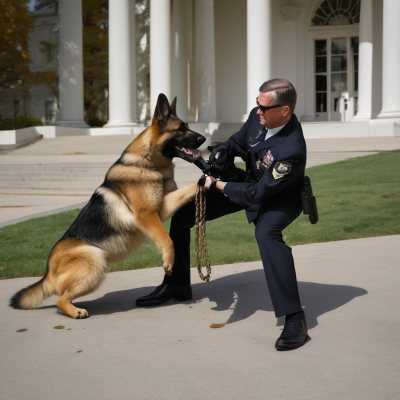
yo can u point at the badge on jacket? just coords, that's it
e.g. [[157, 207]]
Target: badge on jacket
[[266, 161], [281, 169]]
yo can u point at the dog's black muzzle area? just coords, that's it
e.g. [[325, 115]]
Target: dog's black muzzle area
[[186, 146]]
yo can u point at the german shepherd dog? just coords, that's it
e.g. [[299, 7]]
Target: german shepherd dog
[[137, 195]]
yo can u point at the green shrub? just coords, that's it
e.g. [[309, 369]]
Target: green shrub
[[19, 122], [96, 123]]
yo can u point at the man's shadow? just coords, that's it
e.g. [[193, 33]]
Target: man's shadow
[[244, 293]]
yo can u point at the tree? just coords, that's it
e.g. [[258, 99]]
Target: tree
[[15, 24]]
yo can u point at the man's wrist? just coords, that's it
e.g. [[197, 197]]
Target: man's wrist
[[220, 186]]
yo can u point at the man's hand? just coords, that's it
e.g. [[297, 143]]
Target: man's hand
[[209, 180], [219, 157]]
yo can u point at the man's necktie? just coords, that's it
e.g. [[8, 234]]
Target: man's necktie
[[263, 134]]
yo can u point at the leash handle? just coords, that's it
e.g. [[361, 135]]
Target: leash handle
[[200, 240]]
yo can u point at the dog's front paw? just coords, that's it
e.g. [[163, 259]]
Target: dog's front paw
[[80, 313], [168, 266]]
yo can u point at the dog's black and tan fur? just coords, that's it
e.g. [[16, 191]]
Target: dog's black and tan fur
[[137, 195]]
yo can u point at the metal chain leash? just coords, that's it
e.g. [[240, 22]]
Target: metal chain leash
[[200, 240]]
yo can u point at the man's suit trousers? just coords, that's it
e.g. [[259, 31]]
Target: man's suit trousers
[[276, 256]]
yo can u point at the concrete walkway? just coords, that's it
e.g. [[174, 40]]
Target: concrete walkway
[[349, 290]]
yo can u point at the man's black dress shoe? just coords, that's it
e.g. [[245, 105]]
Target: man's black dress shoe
[[164, 293], [293, 336]]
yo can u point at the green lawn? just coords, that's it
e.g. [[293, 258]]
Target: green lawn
[[356, 198]]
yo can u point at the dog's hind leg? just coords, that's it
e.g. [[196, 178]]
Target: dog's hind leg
[[75, 271], [175, 200]]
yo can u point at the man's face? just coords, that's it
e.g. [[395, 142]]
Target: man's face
[[276, 116]]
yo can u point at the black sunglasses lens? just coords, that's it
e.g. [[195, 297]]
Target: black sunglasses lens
[[262, 108]]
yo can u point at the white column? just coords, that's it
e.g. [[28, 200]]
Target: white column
[[179, 86], [205, 60], [122, 64], [259, 46], [391, 60], [71, 65], [160, 50], [365, 53]]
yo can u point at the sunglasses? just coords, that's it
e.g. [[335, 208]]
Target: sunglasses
[[266, 108]]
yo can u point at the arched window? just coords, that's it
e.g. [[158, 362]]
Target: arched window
[[337, 12]]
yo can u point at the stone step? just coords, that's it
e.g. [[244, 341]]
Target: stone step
[[55, 177], [67, 187], [79, 178], [36, 178], [50, 185], [54, 172], [52, 166], [78, 144], [225, 131]]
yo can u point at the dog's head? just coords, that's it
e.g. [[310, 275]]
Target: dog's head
[[173, 134]]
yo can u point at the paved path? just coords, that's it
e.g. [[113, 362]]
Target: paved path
[[349, 290]]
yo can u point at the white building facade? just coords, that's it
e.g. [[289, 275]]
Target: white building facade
[[343, 57]]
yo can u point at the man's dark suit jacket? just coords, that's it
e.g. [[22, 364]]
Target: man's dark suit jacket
[[282, 157]]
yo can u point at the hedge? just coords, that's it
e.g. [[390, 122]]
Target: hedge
[[19, 122]]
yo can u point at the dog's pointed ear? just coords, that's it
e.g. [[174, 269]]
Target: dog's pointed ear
[[173, 107], [163, 110]]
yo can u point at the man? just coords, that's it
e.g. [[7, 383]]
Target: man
[[273, 145]]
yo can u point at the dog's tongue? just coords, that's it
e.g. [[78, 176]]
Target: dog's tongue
[[195, 153]]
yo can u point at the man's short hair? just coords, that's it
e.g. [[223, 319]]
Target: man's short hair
[[284, 92]]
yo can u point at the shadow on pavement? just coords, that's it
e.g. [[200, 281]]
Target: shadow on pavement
[[244, 293]]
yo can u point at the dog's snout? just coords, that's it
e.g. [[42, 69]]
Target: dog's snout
[[201, 140]]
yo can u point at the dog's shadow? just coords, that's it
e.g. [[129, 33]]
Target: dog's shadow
[[244, 293]]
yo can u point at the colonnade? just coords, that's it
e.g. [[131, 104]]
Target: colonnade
[[390, 61], [165, 51], [168, 50]]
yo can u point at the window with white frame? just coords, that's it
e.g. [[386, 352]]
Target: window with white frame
[[336, 71], [337, 12]]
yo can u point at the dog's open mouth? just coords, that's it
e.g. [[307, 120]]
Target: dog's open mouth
[[188, 154]]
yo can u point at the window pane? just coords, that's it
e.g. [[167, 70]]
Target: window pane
[[356, 63], [335, 65], [320, 47], [343, 78], [343, 63], [336, 83], [354, 44], [321, 83], [320, 64], [335, 104], [345, 4], [320, 102], [339, 46], [343, 46], [356, 81], [325, 7]]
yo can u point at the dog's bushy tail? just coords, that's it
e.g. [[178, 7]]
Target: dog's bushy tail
[[32, 296]]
